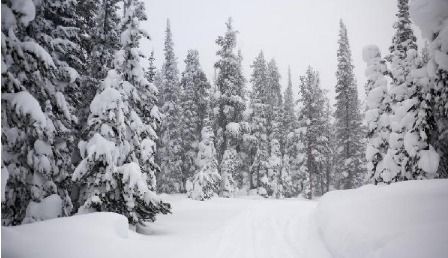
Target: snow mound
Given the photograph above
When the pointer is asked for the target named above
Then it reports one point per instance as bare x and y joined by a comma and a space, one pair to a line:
49, 208
76, 236
407, 219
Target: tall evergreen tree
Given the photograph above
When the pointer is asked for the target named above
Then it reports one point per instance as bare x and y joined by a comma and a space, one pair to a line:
349, 164
439, 105
58, 28
117, 170
412, 120
328, 149
274, 101
289, 139
377, 116
434, 28
37, 119
98, 23
313, 142
402, 41
259, 124
193, 106
231, 104
289, 117
171, 178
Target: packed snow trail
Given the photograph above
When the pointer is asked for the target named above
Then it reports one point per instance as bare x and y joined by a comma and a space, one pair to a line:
242, 228
264, 229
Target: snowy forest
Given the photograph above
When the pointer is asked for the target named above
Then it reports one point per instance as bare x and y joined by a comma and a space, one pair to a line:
88, 127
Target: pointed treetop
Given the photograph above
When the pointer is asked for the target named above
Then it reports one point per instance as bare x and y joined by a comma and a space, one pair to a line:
168, 25
170, 64
404, 38
229, 23
168, 37
289, 77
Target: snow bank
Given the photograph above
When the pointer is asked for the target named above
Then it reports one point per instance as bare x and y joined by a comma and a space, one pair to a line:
77, 236
194, 229
407, 219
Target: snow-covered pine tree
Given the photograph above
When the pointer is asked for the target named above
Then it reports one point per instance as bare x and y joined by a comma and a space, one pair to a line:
440, 103
99, 39
328, 149
231, 104
193, 108
312, 141
377, 116
34, 117
418, 123
274, 126
402, 41
349, 147
409, 141
435, 29
274, 101
259, 124
289, 121
205, 182
171, 178
117, 169
289, 137
57, 28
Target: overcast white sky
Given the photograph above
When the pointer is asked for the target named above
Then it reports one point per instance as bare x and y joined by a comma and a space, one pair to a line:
294, 32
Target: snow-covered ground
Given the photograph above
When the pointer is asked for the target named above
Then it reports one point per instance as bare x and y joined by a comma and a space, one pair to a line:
407, 219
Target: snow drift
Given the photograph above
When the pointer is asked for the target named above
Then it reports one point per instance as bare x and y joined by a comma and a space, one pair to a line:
407, 219
90, 235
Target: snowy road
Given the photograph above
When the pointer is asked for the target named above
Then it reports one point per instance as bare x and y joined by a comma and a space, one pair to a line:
231, 228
